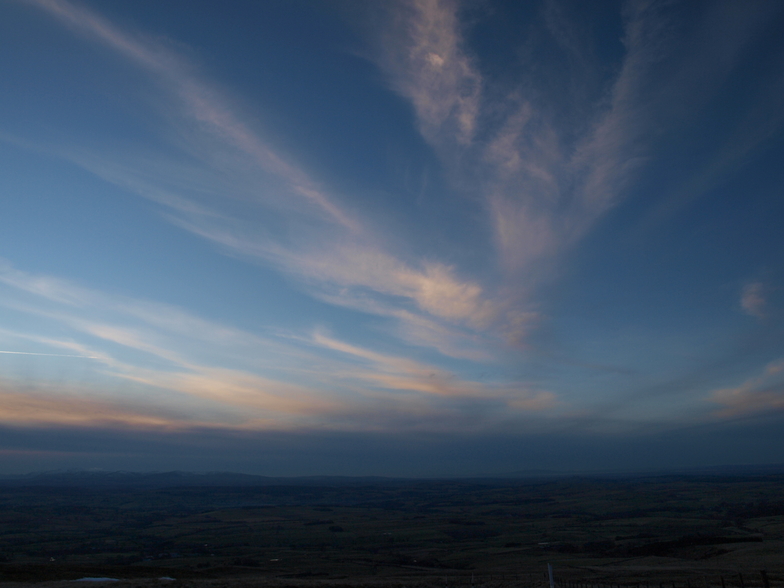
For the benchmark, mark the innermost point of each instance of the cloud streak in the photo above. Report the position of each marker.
(756, 395)
(203, 103)
(348, 259)
(48, 354)
(546, 181)
(429, 67)
(753, 300)
(315, 381)
(426, 318)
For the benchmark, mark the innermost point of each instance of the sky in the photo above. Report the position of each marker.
(403, 238)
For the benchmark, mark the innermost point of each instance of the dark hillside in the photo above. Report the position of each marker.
(613, 530)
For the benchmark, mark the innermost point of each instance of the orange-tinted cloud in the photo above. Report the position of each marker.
(758, 394)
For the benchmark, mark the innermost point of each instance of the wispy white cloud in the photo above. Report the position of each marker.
(28, 408)
(695, 76)
(398, 373)
(284, 382)
(434, 287)
(155, 314)
(46, 354)
(753, 300)
(547, 180)
(543, 184)
(548, 188)
(529, 178)
(415, 328)
(328, 259)
(758, 394)
(203, 103)
(47, 286)
(361, 275)
(425, 57)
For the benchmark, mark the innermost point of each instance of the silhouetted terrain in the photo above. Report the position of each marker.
(237, 528)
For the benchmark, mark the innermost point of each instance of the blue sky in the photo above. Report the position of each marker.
(420, 237)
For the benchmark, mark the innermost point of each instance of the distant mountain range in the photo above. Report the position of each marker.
(99, 479)
(104, 479)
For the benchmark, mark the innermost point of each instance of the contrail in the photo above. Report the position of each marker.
(49, 354)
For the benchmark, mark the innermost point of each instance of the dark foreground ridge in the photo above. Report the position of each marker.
(699, 531)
